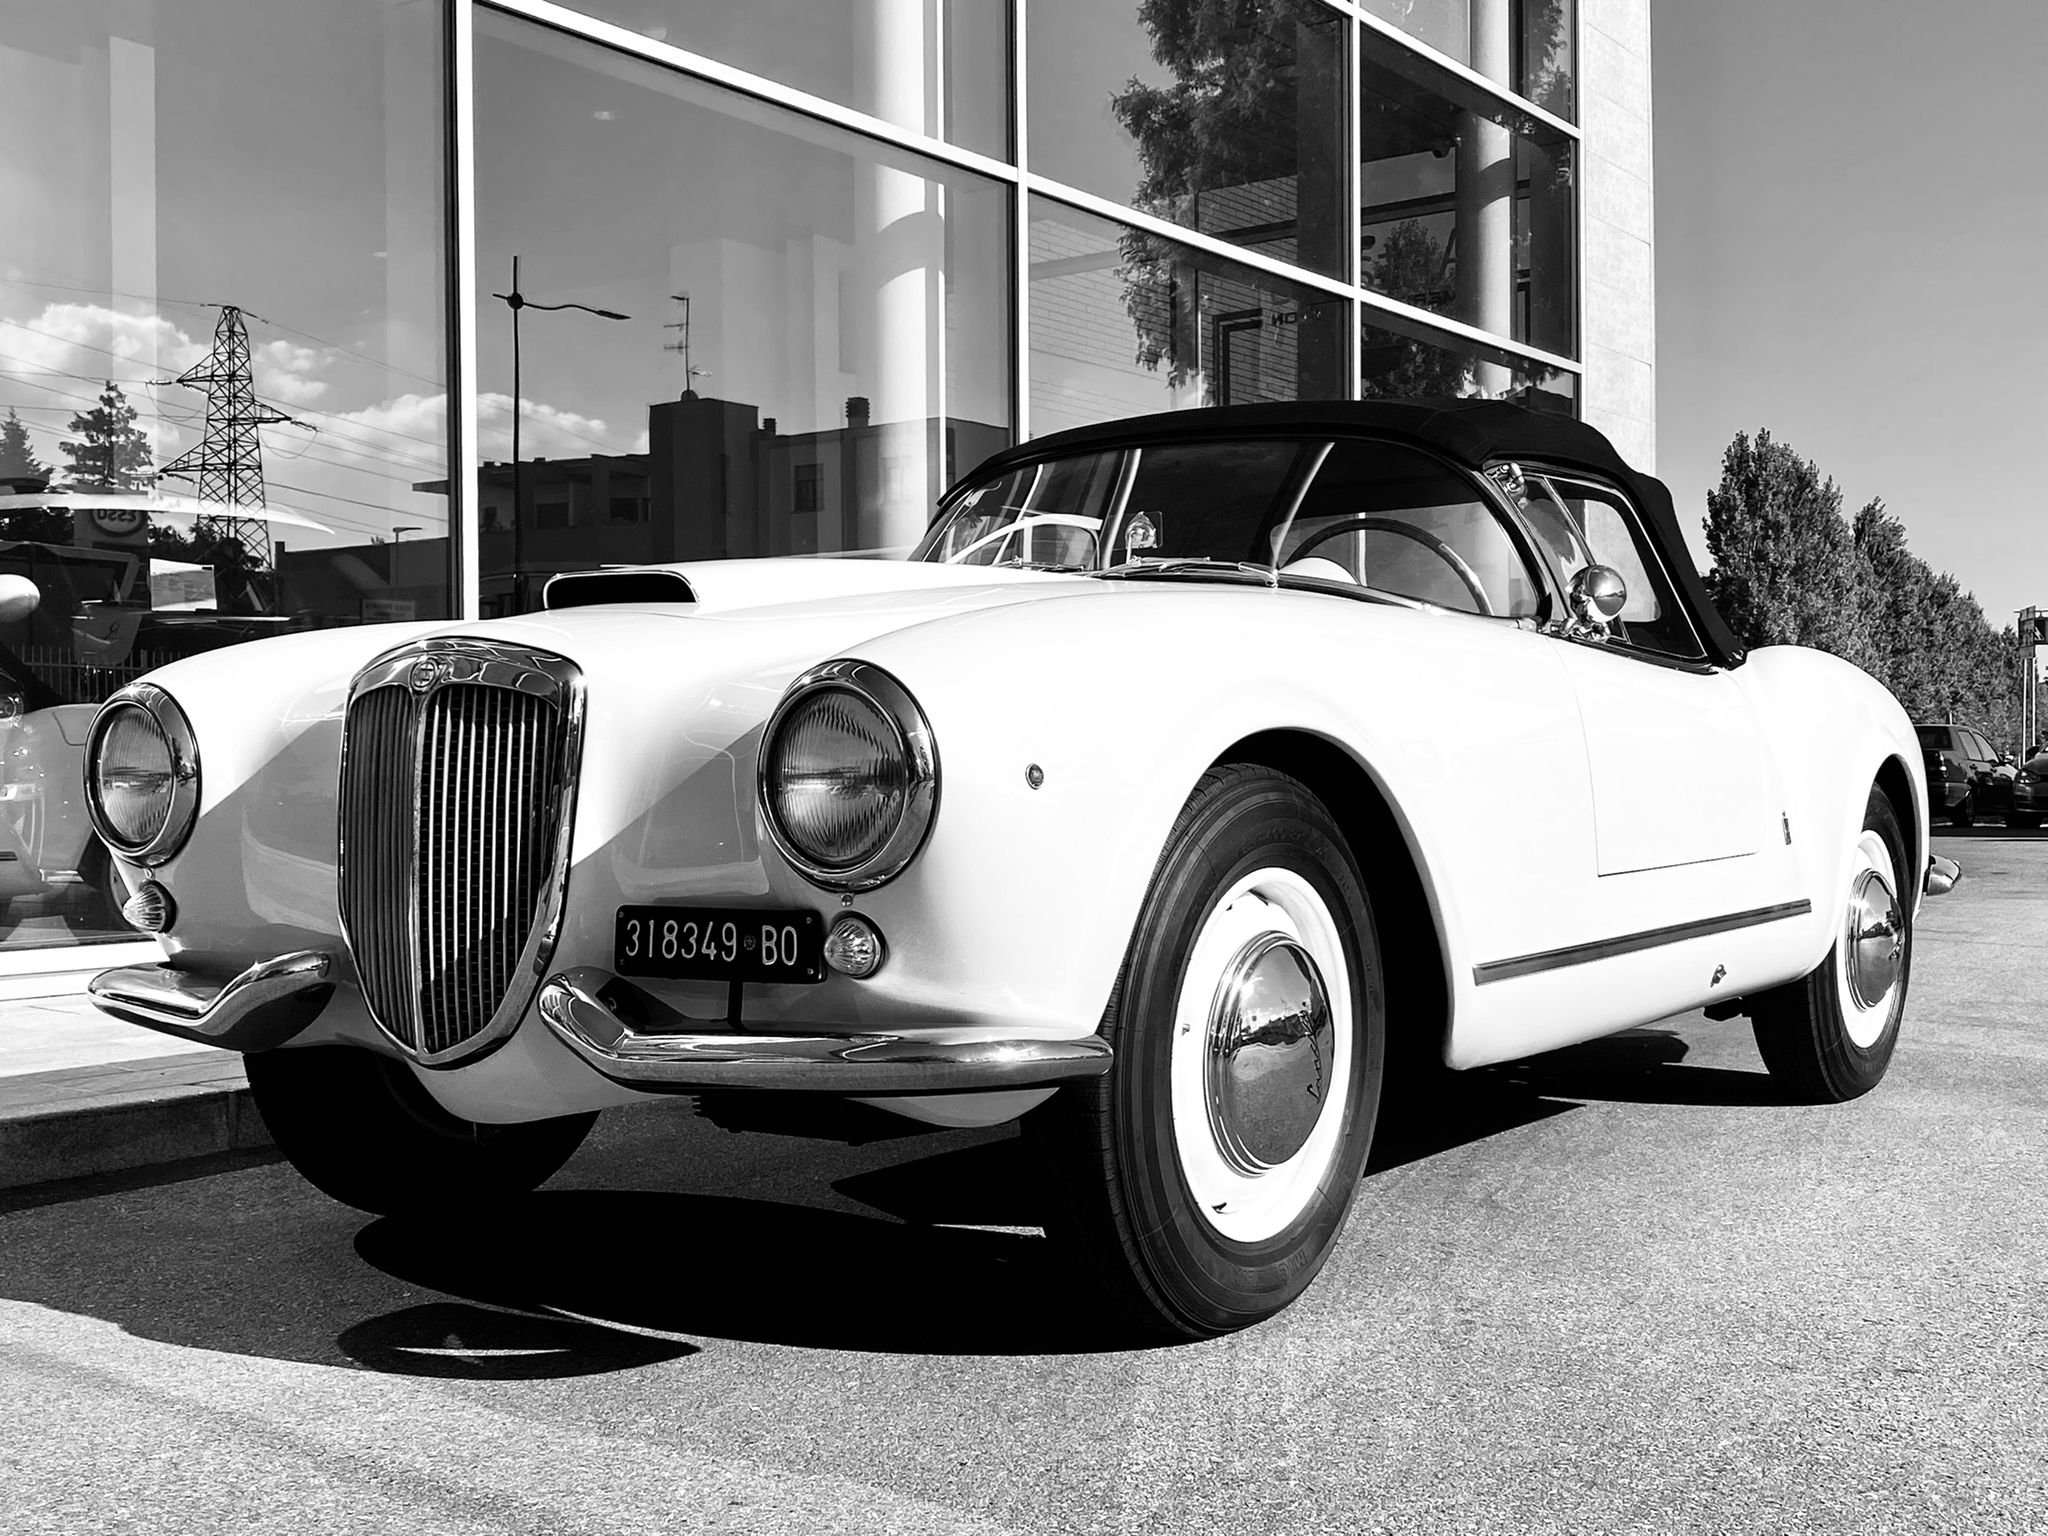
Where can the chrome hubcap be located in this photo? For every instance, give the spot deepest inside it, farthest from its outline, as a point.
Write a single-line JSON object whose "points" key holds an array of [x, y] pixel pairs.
{"points": [[1268, 1063], [1876, 940]]}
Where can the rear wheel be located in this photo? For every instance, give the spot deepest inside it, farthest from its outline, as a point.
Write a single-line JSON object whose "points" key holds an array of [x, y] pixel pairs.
{"points": [[1211, 1171], [1965, 812], [360, 1128], [1830, 1036]]}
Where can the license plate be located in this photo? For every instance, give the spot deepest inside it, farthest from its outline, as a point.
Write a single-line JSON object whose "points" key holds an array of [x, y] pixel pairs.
{"points": [[719, 944]]}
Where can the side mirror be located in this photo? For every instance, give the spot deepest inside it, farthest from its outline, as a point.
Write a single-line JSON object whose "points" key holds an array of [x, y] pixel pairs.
{"points": [[1597, 595], [19, 597]]}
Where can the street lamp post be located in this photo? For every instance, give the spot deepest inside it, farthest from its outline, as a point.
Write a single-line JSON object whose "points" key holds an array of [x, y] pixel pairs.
{"points": [[516, 301]]}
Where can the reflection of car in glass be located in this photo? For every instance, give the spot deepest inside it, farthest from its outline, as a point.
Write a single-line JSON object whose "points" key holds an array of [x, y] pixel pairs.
{"points": [[46, 838], [1965, 778], [1158, 829]]}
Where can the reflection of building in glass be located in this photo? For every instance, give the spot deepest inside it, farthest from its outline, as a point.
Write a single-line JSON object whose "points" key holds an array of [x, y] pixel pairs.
{"points": [[718, 481], [1221, 203]]}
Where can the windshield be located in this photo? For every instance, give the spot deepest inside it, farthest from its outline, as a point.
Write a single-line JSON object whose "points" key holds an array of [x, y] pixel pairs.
{"points": [[1094, 511], [1378, 517]]}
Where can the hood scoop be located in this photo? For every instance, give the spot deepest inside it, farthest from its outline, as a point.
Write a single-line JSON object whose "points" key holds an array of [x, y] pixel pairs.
{"points": [[623, 584]]}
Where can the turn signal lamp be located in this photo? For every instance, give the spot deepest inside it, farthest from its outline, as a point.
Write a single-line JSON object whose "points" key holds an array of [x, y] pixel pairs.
{"points": [[150, 908], [854, 947]]}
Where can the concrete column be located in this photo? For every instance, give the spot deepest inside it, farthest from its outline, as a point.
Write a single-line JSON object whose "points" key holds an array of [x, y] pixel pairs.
{"points": [[131, 196], [1321, 223], [1486, 197], [900, 226]]}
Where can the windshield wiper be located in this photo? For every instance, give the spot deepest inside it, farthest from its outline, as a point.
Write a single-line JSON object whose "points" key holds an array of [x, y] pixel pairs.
{"points": [[1194, 565]]}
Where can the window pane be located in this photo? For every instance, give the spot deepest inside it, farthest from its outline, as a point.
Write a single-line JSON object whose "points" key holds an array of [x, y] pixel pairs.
{"points": [[1528, 41], [1466, 206], [245, 196], [1397, 521], [1400, 360], [1651, 617], [1123, 323], [1229, 121], [939, 67], [792, 338]]}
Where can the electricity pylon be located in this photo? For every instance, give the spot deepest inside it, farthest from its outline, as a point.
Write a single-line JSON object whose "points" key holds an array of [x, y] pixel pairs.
{"points": [[227, 464]]}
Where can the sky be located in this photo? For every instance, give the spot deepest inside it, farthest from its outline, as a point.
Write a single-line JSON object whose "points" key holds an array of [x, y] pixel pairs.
{"points": [[1851, 242]]}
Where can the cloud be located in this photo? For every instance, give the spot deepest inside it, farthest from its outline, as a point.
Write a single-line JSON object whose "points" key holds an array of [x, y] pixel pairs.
{"points": [[283, 370], [95, 341]]}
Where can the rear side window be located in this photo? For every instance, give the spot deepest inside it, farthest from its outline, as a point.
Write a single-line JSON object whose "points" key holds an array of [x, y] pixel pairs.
{"points": [[1397, 521]]}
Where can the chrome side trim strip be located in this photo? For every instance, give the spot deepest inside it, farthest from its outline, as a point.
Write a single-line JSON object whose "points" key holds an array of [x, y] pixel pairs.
{"points": [[1942, 875], [586, 1008], [261, 1007], [1629, 943]]}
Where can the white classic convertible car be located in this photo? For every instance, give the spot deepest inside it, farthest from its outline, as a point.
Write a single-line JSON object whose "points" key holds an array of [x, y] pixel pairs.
{"points": [[1191, 768]]}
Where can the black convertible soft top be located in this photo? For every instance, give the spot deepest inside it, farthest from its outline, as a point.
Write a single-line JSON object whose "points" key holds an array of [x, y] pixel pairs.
{"points": [[1473, 433]]}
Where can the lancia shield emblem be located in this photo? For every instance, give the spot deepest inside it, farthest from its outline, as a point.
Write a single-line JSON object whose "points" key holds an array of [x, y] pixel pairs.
{"points": [[426, 672]]}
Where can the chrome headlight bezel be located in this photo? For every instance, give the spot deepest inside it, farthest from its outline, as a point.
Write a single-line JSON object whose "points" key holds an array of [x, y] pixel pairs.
{"points": [[183, 811], [914, 740]]}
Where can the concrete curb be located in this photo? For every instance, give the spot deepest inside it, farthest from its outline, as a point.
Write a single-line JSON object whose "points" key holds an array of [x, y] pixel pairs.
{"points": [[81, 1121]]}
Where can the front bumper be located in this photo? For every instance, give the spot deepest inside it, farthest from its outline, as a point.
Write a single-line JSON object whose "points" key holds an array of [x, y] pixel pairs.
{"points": [[635, 1039], [614, 1027], [1942, 875], [254, 1010]]}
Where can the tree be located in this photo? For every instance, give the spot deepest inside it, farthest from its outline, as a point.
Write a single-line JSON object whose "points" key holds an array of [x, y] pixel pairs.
{"points": [[1785, 569], [17, 455], [1788, 569], [110, 451]]}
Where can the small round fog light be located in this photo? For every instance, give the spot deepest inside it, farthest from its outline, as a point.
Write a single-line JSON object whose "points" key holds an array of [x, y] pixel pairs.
{"points": [[854, 947], [150, 908]]}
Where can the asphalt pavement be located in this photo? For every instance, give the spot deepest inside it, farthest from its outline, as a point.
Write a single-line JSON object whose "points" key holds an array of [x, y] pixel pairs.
{"points": [[1618, 1288]]}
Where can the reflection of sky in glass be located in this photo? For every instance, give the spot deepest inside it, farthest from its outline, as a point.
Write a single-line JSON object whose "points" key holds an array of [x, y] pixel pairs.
{"points": [[620, 186], [933, 66], [229, 152]]}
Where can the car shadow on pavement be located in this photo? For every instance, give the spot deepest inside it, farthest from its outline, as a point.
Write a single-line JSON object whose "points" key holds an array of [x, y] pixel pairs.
{"points": [[1638, 1066], [652, 1263]]}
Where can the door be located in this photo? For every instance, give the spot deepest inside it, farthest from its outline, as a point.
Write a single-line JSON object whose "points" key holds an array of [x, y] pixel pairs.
{"points": [[1677, 756]]}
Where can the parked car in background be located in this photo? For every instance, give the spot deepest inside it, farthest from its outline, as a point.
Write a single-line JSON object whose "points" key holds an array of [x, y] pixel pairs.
{"points": [[2030, 793], [1136, 803], [1966, 777]]}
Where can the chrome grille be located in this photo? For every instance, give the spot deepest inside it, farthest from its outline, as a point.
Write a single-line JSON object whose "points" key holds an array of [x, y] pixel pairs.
{"points": [[457, 767]]}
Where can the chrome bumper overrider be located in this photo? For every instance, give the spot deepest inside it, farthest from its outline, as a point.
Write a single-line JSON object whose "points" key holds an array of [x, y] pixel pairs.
{"points": [[263, 1006], [588, 1009], [1942, 875]]}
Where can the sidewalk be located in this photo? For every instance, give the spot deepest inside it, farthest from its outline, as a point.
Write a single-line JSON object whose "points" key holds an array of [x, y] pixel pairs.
{"points": [[83, 1094]]}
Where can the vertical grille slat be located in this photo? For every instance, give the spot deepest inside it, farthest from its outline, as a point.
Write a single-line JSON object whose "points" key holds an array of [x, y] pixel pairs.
{"points": [[450, 807]]}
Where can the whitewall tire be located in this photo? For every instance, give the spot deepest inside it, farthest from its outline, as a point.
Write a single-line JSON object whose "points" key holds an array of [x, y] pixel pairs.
{"points": [[1210, 1173], [1830, 1036]]}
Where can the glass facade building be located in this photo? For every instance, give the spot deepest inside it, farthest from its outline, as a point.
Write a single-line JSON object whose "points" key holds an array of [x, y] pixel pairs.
{"points": [[339, 312]]}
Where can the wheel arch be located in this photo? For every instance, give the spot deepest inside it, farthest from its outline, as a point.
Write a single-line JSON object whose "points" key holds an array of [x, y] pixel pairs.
{"points": [[1895, 782], [1404, 900]]}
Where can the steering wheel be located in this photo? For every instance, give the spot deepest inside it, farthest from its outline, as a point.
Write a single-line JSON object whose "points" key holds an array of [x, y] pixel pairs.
{"points": [[1429, 541]]}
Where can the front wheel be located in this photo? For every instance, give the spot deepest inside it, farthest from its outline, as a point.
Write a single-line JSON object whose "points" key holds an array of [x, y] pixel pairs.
{"points": [[359, 1128], [1830, 1036], [1210, 1172]]}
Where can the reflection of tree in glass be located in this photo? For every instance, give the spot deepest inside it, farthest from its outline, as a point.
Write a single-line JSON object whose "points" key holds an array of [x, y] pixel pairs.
{"points": [[1412, 265], [110, 451], [1546, 55], [1228, 118], [17, 455]]}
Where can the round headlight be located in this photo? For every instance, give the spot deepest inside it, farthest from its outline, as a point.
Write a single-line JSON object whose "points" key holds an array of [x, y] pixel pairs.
{"points": [[142, 774], [849, 776]]}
